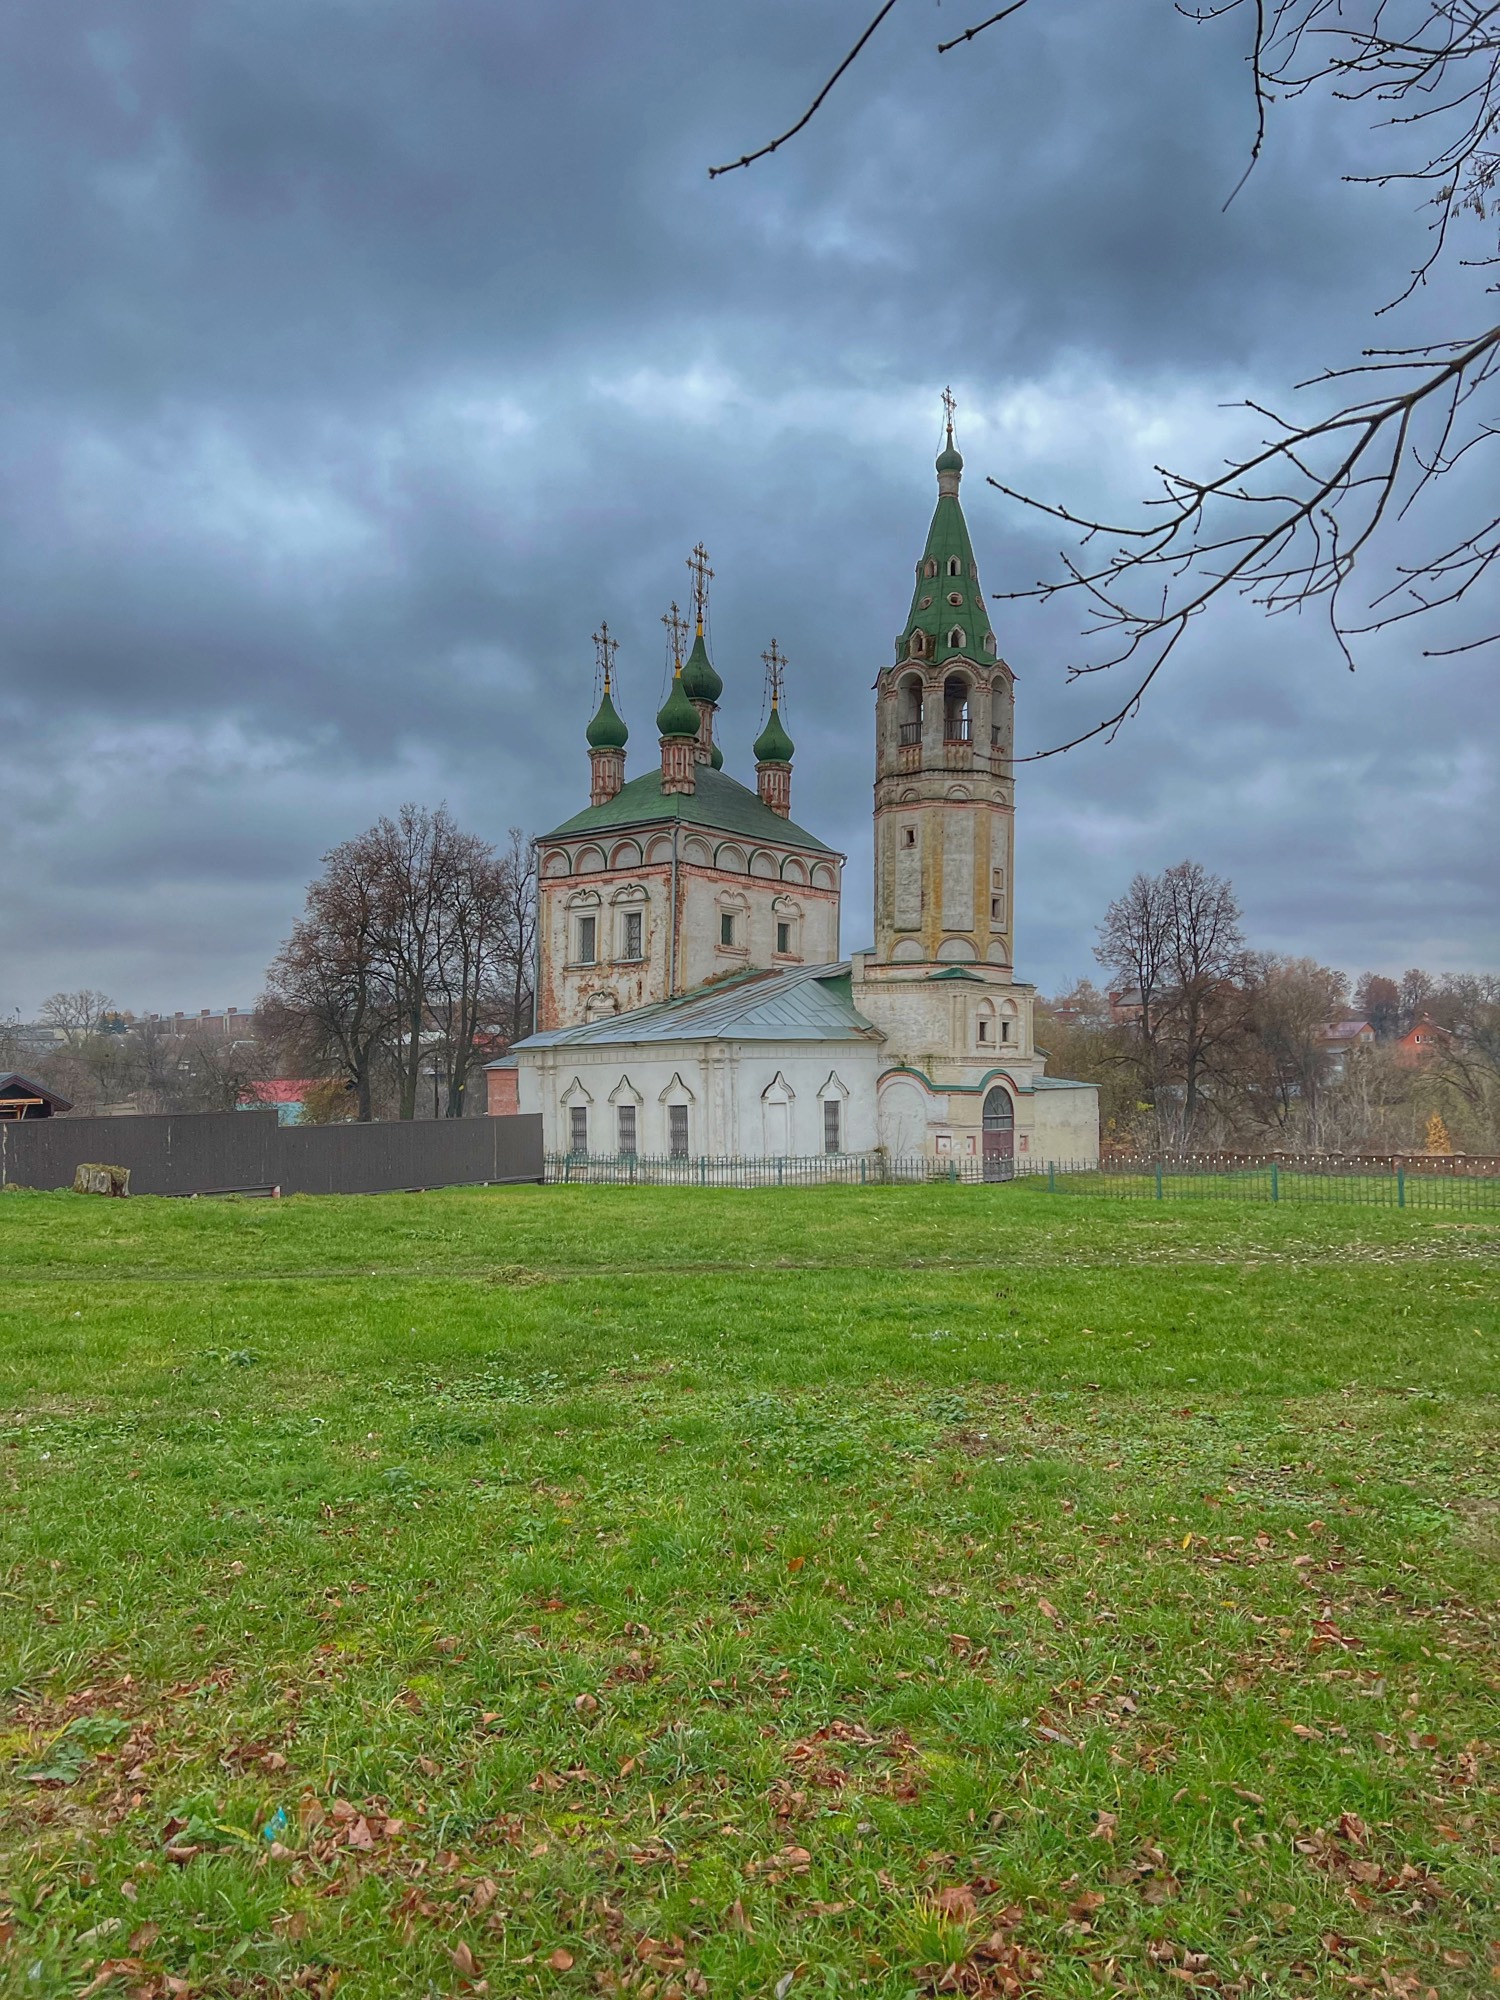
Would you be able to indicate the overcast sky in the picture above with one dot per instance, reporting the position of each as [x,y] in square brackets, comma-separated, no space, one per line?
[360,355]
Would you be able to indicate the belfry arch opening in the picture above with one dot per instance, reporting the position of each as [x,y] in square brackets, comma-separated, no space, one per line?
[958,717]
[909,709]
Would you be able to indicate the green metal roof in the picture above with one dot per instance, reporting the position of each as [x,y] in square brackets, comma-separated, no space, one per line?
[607,731]
[810,1003]
[677,715]
[720,802]
[931,612]
[698,675]
[773,745]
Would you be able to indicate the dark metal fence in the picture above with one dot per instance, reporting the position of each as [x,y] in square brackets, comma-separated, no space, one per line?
[1402,1184]
[223,1152]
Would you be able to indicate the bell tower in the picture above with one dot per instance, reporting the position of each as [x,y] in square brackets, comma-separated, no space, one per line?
[944,788]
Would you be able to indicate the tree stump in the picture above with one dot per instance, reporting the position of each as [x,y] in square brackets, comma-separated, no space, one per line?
[95,1179]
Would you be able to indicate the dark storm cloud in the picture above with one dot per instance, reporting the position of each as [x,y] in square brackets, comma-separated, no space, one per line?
[359,358]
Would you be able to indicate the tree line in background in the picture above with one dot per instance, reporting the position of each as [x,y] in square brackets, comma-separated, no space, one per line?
[409,968]
[1201,1042]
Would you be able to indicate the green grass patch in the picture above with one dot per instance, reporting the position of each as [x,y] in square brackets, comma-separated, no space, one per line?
[890,1591]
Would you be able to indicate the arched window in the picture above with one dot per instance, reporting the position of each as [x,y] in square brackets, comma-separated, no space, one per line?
[958,724]
[984,1025]
[956,636]
[955,567]
[929,568]
[917,645]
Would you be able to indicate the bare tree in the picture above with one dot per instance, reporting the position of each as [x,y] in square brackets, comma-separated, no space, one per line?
[1292,1002]
[77,1016]
[1174,941]
[1288,522]
[516,964]
[1378,1001]
[327,1002]
[414,951]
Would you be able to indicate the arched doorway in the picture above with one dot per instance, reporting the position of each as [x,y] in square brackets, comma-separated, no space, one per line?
[999,1135]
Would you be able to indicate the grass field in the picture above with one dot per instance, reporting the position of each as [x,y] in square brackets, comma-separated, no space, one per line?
[895,1592]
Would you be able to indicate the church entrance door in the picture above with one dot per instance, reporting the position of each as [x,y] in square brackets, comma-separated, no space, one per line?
[999,1135]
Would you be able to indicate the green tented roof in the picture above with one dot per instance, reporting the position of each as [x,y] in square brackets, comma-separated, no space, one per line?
[720,802]
[931,613]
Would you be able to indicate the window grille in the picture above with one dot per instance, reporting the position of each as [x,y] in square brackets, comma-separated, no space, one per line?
[677,1131]
[832,1123]
[578,1121]
[726,927]
[783,938]
[627,1130]
[632,947]
[588,931]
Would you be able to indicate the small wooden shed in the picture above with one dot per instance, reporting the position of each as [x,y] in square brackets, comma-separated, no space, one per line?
[21,1097]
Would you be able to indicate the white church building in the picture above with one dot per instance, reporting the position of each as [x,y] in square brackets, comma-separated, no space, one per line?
[692,1000]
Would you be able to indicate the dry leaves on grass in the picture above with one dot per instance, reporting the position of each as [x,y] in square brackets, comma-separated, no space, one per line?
[998,1968]
[1344,1851]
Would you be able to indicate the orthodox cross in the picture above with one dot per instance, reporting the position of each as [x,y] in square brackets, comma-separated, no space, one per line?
[676,626]
[605,649]
[775,661]
[949,406]
[697,562]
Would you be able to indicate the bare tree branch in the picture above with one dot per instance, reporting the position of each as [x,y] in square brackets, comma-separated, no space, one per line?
[747,159]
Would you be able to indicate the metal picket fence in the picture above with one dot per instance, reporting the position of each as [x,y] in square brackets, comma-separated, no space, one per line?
[1402,1183]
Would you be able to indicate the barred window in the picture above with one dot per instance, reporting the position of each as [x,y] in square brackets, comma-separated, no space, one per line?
[632,942]
[677,1131]
[627,1128]
[832,1125]
[578,1127]
[588,931]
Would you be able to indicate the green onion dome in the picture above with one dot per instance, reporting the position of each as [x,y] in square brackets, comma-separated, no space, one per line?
[698,675]
[677,715]
[773,745]
[715,758]
[607,731]
[950,458]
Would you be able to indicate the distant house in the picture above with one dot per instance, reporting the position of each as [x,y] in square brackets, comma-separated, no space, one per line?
[1423,1042]
[20,1097]
[285,1095]
[1338,1038]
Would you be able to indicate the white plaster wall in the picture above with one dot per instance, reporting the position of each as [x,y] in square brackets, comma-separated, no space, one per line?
[1065,1125]
[723,1083]
[760,904]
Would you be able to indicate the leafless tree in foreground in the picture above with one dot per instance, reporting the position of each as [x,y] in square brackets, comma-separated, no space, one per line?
[1287,523]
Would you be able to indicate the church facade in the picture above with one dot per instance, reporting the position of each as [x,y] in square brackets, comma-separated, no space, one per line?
[692,998]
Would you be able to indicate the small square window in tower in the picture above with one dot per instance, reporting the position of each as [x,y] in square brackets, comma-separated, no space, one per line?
[631,943]
[677,1131]
[588,931]
[726,928]
[578,1122]
[626,1130]
[832,1125]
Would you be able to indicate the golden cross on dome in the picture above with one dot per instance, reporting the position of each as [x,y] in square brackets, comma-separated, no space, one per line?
[697,562]
[775,661]
[949,406]
[605,647]
[676,626]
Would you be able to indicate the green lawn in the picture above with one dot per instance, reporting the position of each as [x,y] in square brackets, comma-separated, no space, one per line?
[891,1592]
